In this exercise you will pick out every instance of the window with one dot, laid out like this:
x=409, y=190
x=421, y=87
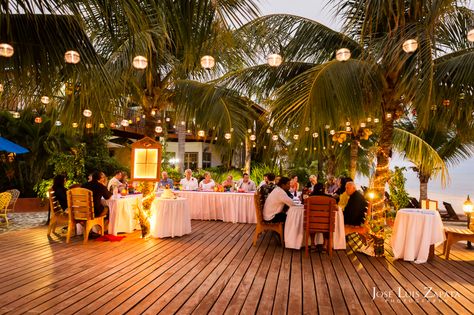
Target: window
x=191, y=160
x=206, y=159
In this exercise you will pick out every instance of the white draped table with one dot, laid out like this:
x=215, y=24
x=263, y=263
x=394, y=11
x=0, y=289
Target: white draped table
x=294, y=229
x=225, y=206
x=414, y=231
x=170, y=218
x=122, y=213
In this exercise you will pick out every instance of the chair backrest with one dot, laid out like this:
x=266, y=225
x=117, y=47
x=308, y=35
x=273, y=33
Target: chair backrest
x=258, y=207
x=54, y=205
x=429, y=204
x=5, y=198
x=450, y=210
x=80, y=204
x=320, y=214
x=15, y=194
x=414, y=203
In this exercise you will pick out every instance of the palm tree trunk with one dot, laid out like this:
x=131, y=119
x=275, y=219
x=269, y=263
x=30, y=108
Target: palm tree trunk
x=331, y=165
x=423, y=186
x=353, y=158
x=248, y=153
x=150, y=123
x=382, y=172
x=181, y=146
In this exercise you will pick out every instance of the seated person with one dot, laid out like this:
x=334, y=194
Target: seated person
x=294, y=186
x=228, y=183
x=189, y=182
x=356, y=207
x=267, y=188
x=278, y=202
x=264, y=181
x=207, y=183
x=313, y=180
x=115, y=182
x=318, y=190
x=60, y=190
x=245, y=184
x=331, y=185
x=96, y=185
x=165, y=181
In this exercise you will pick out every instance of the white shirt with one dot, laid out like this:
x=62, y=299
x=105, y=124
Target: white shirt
x=191, y=184
x=262, y=183
x=114, y=182
x=275, y=202
x=248, y=186
x=208, y=186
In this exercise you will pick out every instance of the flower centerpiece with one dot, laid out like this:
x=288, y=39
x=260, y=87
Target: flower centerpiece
x=144, y=211
x=219, y=188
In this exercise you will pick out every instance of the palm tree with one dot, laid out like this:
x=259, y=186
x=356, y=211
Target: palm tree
x=452, y=140
x=380, y=80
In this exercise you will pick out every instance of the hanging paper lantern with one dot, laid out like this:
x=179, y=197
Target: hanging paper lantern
x=16, y=115
x=6, y=50
x=168, y=119
x=306, y=128
x=253, y=137
x=140, y=62
x=369, y=119
x=274, y=137
x=376, y=120
x=410, y=45
x=332, y=132
x=315, y=135
x=58, y=123
x=208, y=62
x=153, y=112
x=112, y=125
x=388, y=116
x=249, y=130
x=72, y=56
x=446, y=103
x=88, y=125
x=38, y=120
x=124, y=123
x=348, y=129
x=75, y=125
x=227, y=136
x=362, y=125
x=296, y=137
x=268, y=130
x=348, y=123
x=201, y=133
x=343, y=54
x=274, y=60
x=101, y=126
x=158, y=129
x=87, y=113
x=327, y=126
x=45, y=100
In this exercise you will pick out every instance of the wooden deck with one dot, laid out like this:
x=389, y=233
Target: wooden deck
x=217, y=270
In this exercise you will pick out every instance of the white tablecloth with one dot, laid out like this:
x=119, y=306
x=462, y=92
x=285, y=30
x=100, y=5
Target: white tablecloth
x=294, y=229
x=414, y=231
x=122, y=211
x=169, y=218
x=225, y=206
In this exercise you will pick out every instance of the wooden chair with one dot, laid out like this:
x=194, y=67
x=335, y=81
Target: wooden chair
x=454, y=235
x=15, y=194
x=452, y=215
x=262, y=225
x=56, y=213
x=81, y=209
x=320, y=217
x=5, y=198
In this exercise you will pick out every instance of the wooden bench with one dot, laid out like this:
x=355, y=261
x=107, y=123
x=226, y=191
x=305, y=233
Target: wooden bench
x=454, y=235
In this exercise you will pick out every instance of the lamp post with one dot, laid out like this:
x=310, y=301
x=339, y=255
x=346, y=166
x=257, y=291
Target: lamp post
x=467, y=207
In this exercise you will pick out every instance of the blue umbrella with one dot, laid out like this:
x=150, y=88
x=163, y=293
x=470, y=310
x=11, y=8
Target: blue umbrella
x=11, y=147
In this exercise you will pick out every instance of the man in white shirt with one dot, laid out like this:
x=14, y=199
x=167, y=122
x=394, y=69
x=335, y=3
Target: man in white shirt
x=115, y=181
x=189, y=182
x=274, y=209
x=245, y=184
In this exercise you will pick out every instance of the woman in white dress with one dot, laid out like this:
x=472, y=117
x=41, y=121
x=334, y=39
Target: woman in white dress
x=207, y=183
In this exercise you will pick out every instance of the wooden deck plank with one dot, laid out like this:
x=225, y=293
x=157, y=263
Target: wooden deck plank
x=217, y=270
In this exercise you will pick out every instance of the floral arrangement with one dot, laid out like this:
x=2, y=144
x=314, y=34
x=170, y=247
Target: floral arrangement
x=219, y=188
x=144, y=212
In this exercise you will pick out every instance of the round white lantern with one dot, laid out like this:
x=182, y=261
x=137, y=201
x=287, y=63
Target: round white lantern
x=168, y=119
x=332, y=132
x=296, y=137
x=274, y=137
x=72, y=56
x=306, y=128
x=201, y=133
x=16, y=115
x=45, y=100
x=38, y=120
x=376, y=120
x=208, y=62
x=125, y=123
x=470, y=35
x=253, y=137
x=348, y=123
x=158, y=129
x=274, y=60
x=363, y=125
x=343, y=54
x=101, y=126
x=348, y=129
x=75, y=125
x=6, y=50
x=58, y=123
x=88, y=125
x=315, y=135
x=227, y=136
x=140, y=62
x=410, y=45
x=87, y=113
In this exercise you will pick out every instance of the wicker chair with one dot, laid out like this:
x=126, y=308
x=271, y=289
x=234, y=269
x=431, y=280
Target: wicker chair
x=262, y=225
x=5, y=198
x=15, y=194
x=81, y=209
x=56, y=213
x=320, y=217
